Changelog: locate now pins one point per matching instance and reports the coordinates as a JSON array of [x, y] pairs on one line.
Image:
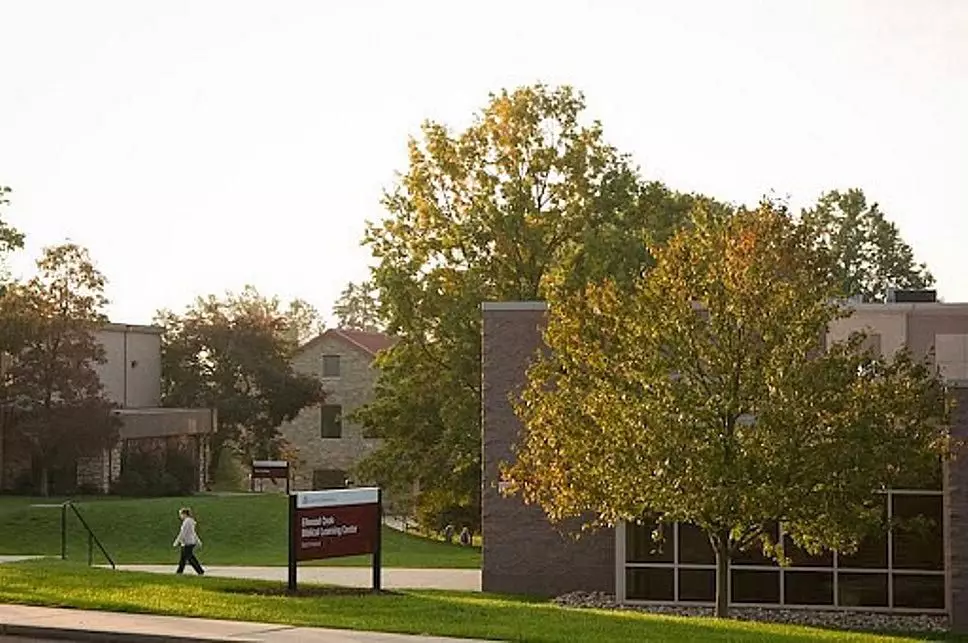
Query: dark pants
[[188, 556]]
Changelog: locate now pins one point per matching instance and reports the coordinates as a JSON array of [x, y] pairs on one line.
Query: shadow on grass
[[306, 590]]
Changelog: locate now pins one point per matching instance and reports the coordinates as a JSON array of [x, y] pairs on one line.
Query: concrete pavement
[[468, 580], [84, 625]]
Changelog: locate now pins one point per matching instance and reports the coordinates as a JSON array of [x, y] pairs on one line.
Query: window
[[331, 424], [329, 479], [330, 365], [900, 568]]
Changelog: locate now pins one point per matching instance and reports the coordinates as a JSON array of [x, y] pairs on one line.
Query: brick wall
[[956, 514], [352, 389], [523, 553]]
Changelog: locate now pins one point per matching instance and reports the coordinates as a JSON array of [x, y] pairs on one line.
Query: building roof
[[366, 341]]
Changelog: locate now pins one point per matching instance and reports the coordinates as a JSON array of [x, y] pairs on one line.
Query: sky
[[198, 146]]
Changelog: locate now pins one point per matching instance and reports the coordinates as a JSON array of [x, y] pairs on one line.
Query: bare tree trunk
[[45, 481], [722, 576]]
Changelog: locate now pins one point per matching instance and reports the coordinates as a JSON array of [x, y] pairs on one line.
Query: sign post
[[334, 523], [269, 470]]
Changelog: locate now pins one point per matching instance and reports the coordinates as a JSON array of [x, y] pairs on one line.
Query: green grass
[[249, 529], [436, 613]]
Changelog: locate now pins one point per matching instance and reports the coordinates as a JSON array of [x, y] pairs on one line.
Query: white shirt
[[187, 535]]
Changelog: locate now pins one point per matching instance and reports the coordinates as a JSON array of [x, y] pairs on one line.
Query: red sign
[[270, 469], [328, 532]]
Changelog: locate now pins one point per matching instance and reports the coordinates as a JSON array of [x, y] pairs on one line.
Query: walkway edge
[[71, 634]]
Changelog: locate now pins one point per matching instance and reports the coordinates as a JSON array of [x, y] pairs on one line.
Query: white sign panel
[[337, 497], [270, 464]]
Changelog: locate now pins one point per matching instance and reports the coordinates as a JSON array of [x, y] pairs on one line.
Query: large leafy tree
[[233, 353], [529, 198], [870, 255], [11, 239], [59, 410], [702, 395]]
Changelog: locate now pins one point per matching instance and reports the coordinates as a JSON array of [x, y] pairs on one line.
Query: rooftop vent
[[901, 296]]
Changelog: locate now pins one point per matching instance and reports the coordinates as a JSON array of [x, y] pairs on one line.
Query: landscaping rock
[[841, 620]]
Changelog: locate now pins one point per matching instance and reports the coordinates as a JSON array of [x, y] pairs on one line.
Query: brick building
[[327, 445], [131, 376], [928, 572]]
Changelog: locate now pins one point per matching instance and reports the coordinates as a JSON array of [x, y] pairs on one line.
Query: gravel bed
[[841, 620]]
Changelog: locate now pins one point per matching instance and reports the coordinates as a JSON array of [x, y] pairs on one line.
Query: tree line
[[231, 353], [531, 202]]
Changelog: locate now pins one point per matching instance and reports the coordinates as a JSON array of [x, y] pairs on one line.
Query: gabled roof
[[370, 343]]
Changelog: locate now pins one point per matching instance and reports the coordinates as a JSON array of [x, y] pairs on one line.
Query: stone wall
[[523, 553], [352, 389]]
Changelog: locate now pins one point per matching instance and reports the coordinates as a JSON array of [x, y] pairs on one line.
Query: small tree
[[702, 395], [59, 408]]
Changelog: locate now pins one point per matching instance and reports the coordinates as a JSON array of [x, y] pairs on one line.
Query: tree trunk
[[44, 481], [722, 577]]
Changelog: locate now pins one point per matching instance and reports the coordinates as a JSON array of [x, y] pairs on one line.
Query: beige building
[[131, 376], [327, 446]]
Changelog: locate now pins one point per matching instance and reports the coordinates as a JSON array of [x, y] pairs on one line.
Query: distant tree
[[358, 308], [702, 395], [234, 354], [304, 320], [11, 239], [59, 410], [868, 249]]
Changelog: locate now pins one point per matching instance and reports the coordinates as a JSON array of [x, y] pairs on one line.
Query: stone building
[[327, 445], [923, 572], [131, 376]]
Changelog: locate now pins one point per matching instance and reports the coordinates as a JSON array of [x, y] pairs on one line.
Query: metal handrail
[[91, 538]]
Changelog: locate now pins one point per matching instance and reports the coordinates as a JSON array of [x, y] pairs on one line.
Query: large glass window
[[902, 568]]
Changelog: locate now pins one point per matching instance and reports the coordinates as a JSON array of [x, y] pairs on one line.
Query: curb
[[67, 634]]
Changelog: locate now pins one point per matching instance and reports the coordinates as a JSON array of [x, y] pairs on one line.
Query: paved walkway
[[468, 580], [41, 622], [14, 559]]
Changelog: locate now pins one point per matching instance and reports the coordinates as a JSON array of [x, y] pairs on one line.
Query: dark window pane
[[808, 588], [331, 421], [872, 552], [865, 590], [923, 592], [330, 365], [697, 585], [329, 479], [754, 555], [694, 547], [646, 584], [756, 586], [919, 536], [800, 558], [640, 548]]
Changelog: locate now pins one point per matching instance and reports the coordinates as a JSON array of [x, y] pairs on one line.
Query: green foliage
[[229, 475], [57, 408], [157, 468], [869, 252], [234, 354], [702, 395], [529, 198], [358, 308]]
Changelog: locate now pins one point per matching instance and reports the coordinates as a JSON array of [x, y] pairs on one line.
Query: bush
[[152, 470]]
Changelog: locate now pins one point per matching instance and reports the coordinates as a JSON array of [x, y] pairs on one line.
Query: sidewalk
[[467, 580], [84, 625]]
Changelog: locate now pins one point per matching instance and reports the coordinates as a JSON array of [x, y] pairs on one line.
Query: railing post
[[90, 548], [64, 531]]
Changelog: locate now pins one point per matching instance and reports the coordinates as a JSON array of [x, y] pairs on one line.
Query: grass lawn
[[437, 613], [248, 529]]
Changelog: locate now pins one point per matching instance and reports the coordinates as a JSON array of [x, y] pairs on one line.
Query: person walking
[[188, 539]]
